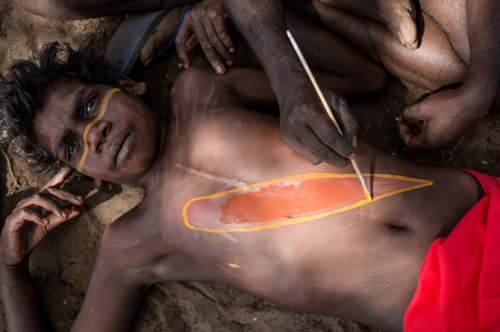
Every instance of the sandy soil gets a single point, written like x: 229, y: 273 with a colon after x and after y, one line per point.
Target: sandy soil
x: 61, y: 267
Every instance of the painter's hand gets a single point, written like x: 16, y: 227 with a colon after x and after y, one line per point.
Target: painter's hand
x: 205, y: 24
x: 34, y: 217
x: 439, y: 119
x: 308, y: 129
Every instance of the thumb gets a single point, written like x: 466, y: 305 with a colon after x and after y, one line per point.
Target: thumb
x: 415, y: 113
x: 415, y: 141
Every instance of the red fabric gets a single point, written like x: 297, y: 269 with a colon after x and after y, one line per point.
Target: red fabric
x: 459, y: 286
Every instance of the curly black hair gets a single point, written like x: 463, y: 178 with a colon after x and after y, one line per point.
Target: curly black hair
x: 27, y: 85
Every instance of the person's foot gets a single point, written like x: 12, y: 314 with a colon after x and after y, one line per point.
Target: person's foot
x: 399, y: 15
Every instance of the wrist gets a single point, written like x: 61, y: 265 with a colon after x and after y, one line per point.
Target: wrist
x: 8, y: 271
x: 478, y: 96
x: 481, y: 86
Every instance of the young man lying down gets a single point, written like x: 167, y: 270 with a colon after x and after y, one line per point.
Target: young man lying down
x: 228, y: 200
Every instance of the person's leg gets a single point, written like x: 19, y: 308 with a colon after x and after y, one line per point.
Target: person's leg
x: 433, y: 64
x: 397, y: 15
x: 342, y: 67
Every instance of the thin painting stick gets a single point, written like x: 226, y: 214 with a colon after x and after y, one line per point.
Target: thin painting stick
x: 327, y: 107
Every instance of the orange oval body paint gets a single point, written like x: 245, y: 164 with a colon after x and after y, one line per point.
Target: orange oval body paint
x: 102, y: 110
x: 289, y: 200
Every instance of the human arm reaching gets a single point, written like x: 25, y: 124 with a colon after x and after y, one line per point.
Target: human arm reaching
x: 304, y: 123
x: 24, y: 229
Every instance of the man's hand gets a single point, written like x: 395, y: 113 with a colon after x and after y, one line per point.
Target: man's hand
x: 305, y: 125
x: 34, y: 217
x: 205, y: 24
x: 440, y: 119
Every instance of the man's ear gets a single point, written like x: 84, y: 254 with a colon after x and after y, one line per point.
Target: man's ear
x: 128, y: 84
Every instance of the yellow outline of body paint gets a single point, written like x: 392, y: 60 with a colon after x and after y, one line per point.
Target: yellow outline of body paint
x: 423, y: 183
x: 102, y: 110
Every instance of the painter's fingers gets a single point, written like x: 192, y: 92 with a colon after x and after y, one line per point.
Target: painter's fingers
x: 345, y: 119
x: 330, y: 146
x: 298, y: 146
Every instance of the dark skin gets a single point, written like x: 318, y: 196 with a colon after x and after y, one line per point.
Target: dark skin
x: 212, y: 141
x: 459, y: 37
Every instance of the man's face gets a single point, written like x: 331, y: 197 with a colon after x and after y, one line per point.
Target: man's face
x: 105, y: 133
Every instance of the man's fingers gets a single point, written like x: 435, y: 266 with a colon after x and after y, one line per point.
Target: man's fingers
x: 183, y: 35
x: 329, y: 135
x: 326, y: 146
x: 54, y: 220
x: 40, y: 201
x: 27, y: 214
x: 346, y: 120
x: 59, y: 178
x: 64, y: 195
x: 347, y: 123
x: 220, y: 27
x: 217, y: 44
x: 191, y: 44
x: 414, y: 141
x: 417, y: 142
x: 208, y: 49
x: 415, y: 113
x: 297, y: 145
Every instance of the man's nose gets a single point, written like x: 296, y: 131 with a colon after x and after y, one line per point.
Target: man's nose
x: 97, y: 136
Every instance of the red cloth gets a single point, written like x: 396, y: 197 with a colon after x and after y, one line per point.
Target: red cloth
x: 459, y: 286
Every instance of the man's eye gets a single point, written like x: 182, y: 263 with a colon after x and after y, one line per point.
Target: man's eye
x: 71, y: 148
x: 88, y: 106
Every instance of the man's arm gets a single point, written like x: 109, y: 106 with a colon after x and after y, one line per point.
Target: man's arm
x: 484, y: 67
x: 304, y: 123
x: 24, y: 229
x: 114, y: 295
x: 447, y: 115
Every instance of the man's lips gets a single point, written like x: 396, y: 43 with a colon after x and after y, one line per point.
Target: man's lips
x: 121, y: 149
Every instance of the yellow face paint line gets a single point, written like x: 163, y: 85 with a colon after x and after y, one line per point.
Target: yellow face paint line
x: 308, y: 176
x: 423, y: 183
x: 102, y: 111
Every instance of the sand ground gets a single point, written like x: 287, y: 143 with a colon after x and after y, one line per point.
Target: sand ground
x: 61, y: 267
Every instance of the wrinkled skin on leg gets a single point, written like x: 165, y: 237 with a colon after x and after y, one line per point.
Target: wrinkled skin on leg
x: 447, y: 115
x: 457, y: 44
